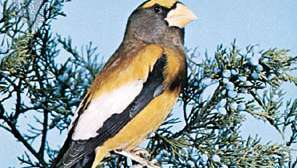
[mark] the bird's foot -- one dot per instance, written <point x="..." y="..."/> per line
<point x="140" y="156"/>
<point x="141" y="153"/>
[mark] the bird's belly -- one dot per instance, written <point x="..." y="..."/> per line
<point x="148" y="120"/>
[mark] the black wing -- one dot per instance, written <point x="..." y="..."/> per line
<point x="81" y="153"/>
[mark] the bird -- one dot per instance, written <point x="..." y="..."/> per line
<point x="135" y="90"/>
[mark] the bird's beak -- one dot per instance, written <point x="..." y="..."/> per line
<point x="180" y="16"/>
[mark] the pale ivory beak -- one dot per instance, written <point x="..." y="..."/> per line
<point x="180" y="16"/>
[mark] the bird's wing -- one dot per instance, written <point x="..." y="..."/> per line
<point x="152" y="88"/>
<point x="102" y="117"/>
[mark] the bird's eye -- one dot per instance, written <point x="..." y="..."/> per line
<point x="157" y="9"/>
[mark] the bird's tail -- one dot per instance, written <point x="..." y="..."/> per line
<point x="85" y="161"/>
<point x="91" y="160"/>
<point x="73" y="155"/>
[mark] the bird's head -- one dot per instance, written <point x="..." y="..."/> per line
<point x="159" y="21"/>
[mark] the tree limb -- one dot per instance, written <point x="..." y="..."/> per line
<point x="20" y="138"/>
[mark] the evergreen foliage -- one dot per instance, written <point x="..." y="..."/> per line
<point x="43" y="77"/>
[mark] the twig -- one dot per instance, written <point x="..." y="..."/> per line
<point x="18" y="100"/>
<point x="20" y="138"/>
<point x="1" y="111"/>
<point x="294" y="164"/>
<point x="203" y="110"/>
<point x="45" y="112"/>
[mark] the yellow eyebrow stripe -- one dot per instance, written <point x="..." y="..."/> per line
<point x="164" y="3"/>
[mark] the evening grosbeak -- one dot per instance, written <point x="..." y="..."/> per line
<point x="136" y="89"/>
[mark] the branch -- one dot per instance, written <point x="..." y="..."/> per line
<point x="43" y="54"/>
<point x="18" y="101"/>
<point x="210" y="103"/>
<point x="44" y="133"/>
<point x="20" y="138"/>
<point x="38" y="12"/>
<point x="1" y="110"/>
<point x="294" y="164"/>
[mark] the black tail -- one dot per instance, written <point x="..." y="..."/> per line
<point x="74" y="154"/>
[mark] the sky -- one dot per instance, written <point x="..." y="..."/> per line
<point x="268" y="23"/>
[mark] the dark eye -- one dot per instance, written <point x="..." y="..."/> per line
<point x="157" y="9"/>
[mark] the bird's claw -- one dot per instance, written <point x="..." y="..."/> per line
<point x="141" y="153"/>
<point x="140" y="156"/>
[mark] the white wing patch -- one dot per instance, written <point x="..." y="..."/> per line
<point x="103" y="107"/>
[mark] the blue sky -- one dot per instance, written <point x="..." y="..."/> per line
<point x="269" y="23"/>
